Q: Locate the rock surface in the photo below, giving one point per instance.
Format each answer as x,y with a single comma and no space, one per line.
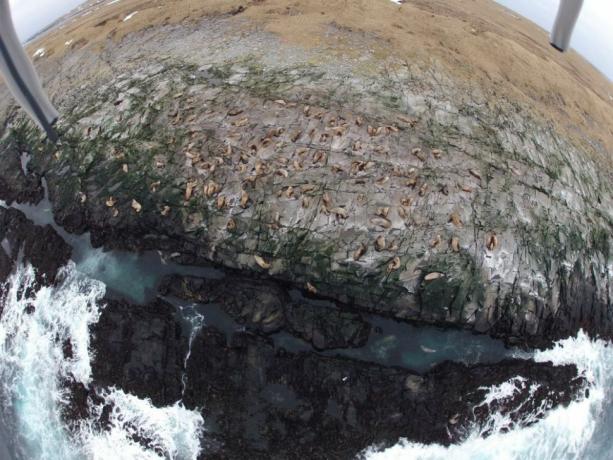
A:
25,242
264,403
139,349
328,180
268,307
260,401
460,221
396,188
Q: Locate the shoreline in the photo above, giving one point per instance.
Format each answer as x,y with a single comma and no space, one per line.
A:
328,183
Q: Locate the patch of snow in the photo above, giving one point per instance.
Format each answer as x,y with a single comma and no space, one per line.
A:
40,52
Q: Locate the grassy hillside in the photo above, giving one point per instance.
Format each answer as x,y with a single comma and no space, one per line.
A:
477,41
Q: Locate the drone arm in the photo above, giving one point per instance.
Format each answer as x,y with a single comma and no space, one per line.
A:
20,76
565,22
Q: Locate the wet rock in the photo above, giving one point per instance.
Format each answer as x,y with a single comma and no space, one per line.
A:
267,307
263,402
260,401
140,349
25,242
76,407
18,182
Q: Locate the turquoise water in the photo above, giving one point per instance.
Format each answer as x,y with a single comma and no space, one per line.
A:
393,343
132,275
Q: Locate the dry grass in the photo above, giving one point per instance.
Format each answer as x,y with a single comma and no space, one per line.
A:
477,41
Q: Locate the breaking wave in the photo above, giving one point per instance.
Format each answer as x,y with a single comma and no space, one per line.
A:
36,325
35,328
581,430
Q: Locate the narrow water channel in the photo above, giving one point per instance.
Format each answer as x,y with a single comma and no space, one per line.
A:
136,276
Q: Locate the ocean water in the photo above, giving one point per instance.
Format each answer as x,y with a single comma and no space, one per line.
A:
32,367
581,431
33,332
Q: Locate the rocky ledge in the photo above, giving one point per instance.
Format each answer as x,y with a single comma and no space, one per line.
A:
261,400
23,242
377,186
417,201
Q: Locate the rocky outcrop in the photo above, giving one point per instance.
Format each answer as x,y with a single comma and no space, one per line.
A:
140,349
268,307
17,183
391,186
25,242
432,208
261,401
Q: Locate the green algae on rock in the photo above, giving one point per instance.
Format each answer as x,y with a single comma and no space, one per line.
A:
303,162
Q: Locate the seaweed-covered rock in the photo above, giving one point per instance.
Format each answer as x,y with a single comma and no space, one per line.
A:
397,188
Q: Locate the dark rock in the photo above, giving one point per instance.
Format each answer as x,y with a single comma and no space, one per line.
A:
15,183
140,349
260,401
26,242
267,306
326,327
76,407
267,403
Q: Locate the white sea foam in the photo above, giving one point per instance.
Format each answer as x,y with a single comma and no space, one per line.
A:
574,432
504,391
33,333
173,431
